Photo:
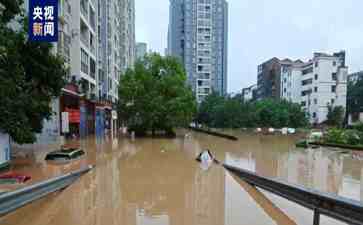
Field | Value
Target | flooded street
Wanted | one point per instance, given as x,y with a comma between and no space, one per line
158,182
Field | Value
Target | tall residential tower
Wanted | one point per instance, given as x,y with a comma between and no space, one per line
116,43
198,35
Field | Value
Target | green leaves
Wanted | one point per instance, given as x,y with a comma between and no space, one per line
355,97
154,96
220,112
30,77
335,116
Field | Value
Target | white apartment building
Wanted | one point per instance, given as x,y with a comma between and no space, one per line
92,40
198,35
249,93
84,45
316,84
141,50
116,44
291,81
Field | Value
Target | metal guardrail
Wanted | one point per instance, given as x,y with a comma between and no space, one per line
336,207
11,201
213,133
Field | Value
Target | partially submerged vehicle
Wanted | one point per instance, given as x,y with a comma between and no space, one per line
65,155
13,178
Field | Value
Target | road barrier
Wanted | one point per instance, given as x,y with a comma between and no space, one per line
336,207
213,133
11,201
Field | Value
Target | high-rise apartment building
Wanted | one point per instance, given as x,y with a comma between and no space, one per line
97,41
198,35
84,45
116,43
141,50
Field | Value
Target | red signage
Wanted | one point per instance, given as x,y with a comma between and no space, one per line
74,115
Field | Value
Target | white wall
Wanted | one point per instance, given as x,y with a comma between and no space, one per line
319,100
4,148
51,128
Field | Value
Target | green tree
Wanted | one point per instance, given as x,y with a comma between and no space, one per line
227,112
335,116
355,97
207,109
30,76
154,96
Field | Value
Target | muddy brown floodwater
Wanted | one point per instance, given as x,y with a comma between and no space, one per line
158,182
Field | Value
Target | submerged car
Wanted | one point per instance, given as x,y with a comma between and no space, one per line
65,155
13,178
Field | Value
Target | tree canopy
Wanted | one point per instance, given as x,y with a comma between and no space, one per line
226,112
154,96
355,97
335,116
30,76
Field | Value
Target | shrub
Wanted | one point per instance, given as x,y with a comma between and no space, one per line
335,135
352,137
340,136
358,127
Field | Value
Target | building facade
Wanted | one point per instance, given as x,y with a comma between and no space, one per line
250,93
198,36
116,43
96,39
141,50
84,50
316,85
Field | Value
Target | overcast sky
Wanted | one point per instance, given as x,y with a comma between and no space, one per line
261,29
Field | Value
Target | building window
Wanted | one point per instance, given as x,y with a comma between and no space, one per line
307,92
308,70
334,63
332,101
315,89
84,61
333,88
303,103
314,114
306,82
316,64
92,68
316,76
315,101
334,76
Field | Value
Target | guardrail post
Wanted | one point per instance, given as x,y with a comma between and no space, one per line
316,216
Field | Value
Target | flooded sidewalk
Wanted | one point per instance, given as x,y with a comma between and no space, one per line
158,182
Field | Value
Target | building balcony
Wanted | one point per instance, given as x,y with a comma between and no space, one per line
85,41
84,8
84,12
94,3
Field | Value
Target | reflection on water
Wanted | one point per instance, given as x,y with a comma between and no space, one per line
158,182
